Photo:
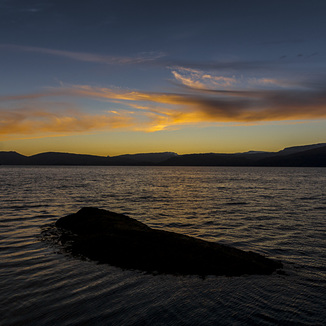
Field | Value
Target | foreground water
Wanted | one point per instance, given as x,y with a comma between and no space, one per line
279,212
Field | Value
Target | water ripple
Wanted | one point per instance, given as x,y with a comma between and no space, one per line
274,211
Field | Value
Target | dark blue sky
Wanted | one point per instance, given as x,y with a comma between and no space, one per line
164,66
202,27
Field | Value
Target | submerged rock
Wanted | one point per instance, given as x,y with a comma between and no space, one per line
119,240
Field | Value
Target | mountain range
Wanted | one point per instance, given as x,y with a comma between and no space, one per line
308,155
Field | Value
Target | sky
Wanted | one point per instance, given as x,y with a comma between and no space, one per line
109,77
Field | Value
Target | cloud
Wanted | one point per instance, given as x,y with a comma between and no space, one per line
161,59
88,57
184,71
53,111
198,79
223,106
226,66
264,106
187,81
30,122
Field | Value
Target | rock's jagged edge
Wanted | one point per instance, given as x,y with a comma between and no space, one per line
121,241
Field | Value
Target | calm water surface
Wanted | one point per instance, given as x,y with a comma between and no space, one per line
279,212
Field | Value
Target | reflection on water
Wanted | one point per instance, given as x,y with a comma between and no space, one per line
279,212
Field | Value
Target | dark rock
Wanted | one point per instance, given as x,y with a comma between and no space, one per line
121,241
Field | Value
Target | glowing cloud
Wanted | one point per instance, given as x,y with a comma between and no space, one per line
25,115
198,79
223,106
23,123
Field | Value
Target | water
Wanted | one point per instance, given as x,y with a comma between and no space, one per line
279,212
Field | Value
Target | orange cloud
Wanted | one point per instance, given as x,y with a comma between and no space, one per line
23,123
150,111
224,106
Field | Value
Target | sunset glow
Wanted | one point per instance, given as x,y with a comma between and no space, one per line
271,86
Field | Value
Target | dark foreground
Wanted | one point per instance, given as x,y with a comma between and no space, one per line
119,240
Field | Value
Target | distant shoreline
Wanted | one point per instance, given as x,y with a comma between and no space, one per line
298,156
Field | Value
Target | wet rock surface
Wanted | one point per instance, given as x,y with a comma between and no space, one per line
119,240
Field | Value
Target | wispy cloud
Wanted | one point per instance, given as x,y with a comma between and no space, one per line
31,114
181,67
198,79
88,57
46,119
188,80
223,106
207,81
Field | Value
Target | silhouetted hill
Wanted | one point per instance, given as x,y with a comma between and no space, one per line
53,158
146,158
309,155
209,159
297,149
12,158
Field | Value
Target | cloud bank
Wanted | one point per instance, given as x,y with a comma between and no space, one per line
202,98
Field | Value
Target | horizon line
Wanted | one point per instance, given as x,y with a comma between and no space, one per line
162,152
